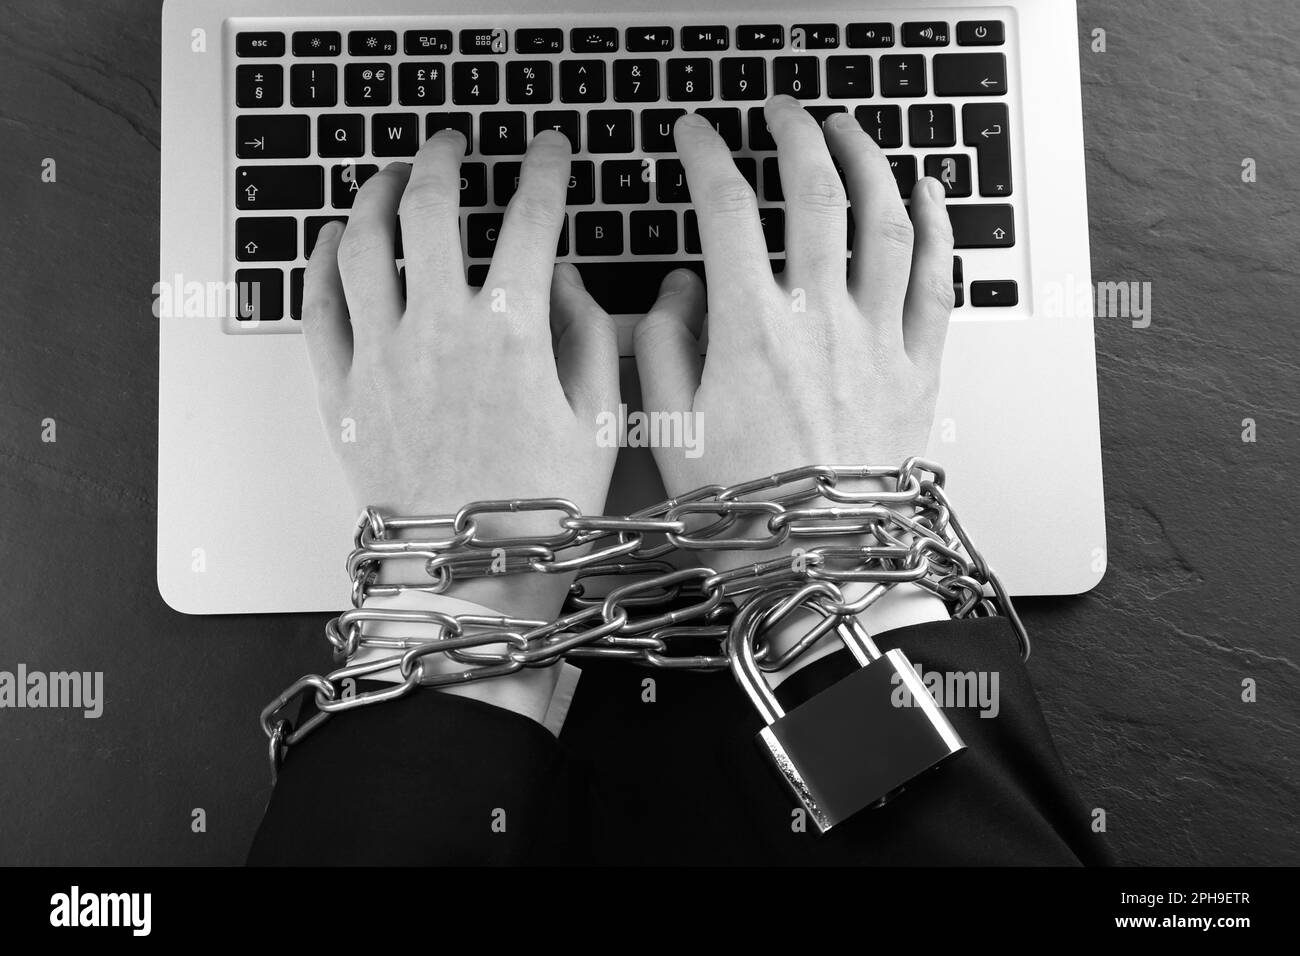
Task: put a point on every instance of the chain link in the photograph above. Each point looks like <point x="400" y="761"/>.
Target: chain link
<point x="914" y="537"/>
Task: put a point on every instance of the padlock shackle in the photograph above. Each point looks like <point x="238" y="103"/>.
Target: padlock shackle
<point x="740" y="654"/>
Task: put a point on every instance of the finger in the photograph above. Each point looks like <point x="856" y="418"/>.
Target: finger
<point x="882" y="244"/>
<point x="735" y="253"/>
<point x="525" y="253"/>
<point x="667" y="344"/>
<point x="586" y="346"/>
<point x="367" y="260"/>
<point x="930" y="295"/>
<point x="325" y="310"/>
<point x="430" y="207"/>
<point x="816" y="204"/>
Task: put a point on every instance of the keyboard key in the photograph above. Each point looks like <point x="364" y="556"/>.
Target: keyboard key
<point x="848" y="77"/>
<point x="726" y="121"/>
<point x="314" y="84"/>
<point x="953" y="171"/>
<point x="743" y="78"/>
<point x="483" y="42"/>
<point x="980" y="33"/>
<point x="505" y="180"/>
<point x="762" y="37"/>
<point x="636" y="81"/>
<point x="929" y="33"/>
<point x="933" y="125"/>
<point x="473" y="185"/>
<point x="258" y="87"/>
<point x="690" y="79"/>
<point x="609" y="131"/>
<point x="340" y="134"/>
<point x="970" y="74"/>
<point x="372" y="43"/>
<point x="629" y="287"/>
<point x="503" y="134"/>
<point x="986" y="127"/>
<point x="982" y="227"/>
<point x="670" y="182"/>
<point x="814" y="36"/>
<point x="598" y="233"/>
<point x="567" y="122"/>
<point x="311" y="228"/>
<point x="317" y="43"/>
<point x="624" y="181"/>
<point x="481" y="233"/>
<point x="539" y="41"/>
<point x="593" y="40"/>
<point x="796" y="76"/>
<point x="259" y="44"/>
<point x="434" y="122"/>
<point x="367" y="84"/>
<point x="958" y="285"/>
<point x="582" y="81"/>
<point x="1002" y="292"/>
<point x="760" y="137"/>
<point x="346" y="181"/>
<point x="261" y="294"/>
<point x="653" y="233"/>
<point x="474" y="83"/>
<point x="657" y="130"/>
<point x="772" y="180"/>
<point x="704" y="38"/>
<point x="266" y="239"/>
<point x="267" y="136"/>
<point x="528" y="81"/>
<point x="773" y="224"/>
<point x="904" y="170"/>
<point x="395" y="134"/>
<point x="426" y="42"/>
<point x="295" y="292"/>
<point x="884" y="124"/>
<point x="582" y="183"/>
<point x="822" y="113"/>
<point x="279" y="187"/>
<point x="748" y="167"/>
<point x="421" y="84"/>
<point x="648" y="39"/>
<point x="870" y="35"/>
<point x="902" y="75"/>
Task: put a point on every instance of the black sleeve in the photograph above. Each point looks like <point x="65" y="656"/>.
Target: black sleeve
<point x="432" y="778"/>
<point x="1007" y="799"/>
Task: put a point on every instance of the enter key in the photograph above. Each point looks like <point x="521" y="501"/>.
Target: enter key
<point x="986" y="127"/>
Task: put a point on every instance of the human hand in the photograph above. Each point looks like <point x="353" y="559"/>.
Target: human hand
<point x="454" y="394"/>
<point x="807" y="367"/>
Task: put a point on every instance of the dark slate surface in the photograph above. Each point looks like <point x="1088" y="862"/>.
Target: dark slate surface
<point x="1141" y="679"/>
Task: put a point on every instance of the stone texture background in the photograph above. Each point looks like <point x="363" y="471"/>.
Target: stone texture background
<point x="1141" y="679"/>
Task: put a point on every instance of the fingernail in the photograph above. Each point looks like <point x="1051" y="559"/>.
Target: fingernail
<point x="676" y="281"/>
<point x="936" y="190"/>
<point x="694" y="119"/>
<point x="330" y="230"/>
<point x="840" y="119"/>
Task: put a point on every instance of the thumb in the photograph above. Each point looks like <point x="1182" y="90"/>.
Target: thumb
<point x="586" y="345"/>
<point x="667" y="345"/>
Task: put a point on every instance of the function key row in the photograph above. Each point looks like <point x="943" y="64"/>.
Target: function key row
<point x="645" y="80"/>
<point x="650" y="39"/>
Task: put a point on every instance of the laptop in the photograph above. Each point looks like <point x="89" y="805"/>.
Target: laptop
<point x="273" y="113"/>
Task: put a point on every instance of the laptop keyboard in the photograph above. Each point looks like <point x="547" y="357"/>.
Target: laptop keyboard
<point x="315" y="112"/>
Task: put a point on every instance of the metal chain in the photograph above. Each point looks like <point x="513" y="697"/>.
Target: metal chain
<point x="913" y="537"/>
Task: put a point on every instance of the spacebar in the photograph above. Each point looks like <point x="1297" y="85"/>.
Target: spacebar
<point x="629" y="288"/>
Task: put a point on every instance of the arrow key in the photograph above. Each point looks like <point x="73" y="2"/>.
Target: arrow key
<point x="266" y="239"/>
<point x="1002" y="292"/>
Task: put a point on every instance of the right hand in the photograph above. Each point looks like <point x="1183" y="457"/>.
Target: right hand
<point x="849" y="378"/>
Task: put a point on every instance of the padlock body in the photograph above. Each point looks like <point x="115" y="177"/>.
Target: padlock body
<point x="852" y="744"/>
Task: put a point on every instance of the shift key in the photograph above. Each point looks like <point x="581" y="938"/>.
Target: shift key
<point x="279" y="187"/>
<point x="982" y="227"/>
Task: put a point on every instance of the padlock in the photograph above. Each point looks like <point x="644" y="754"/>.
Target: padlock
<point x="850" y="746"/>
